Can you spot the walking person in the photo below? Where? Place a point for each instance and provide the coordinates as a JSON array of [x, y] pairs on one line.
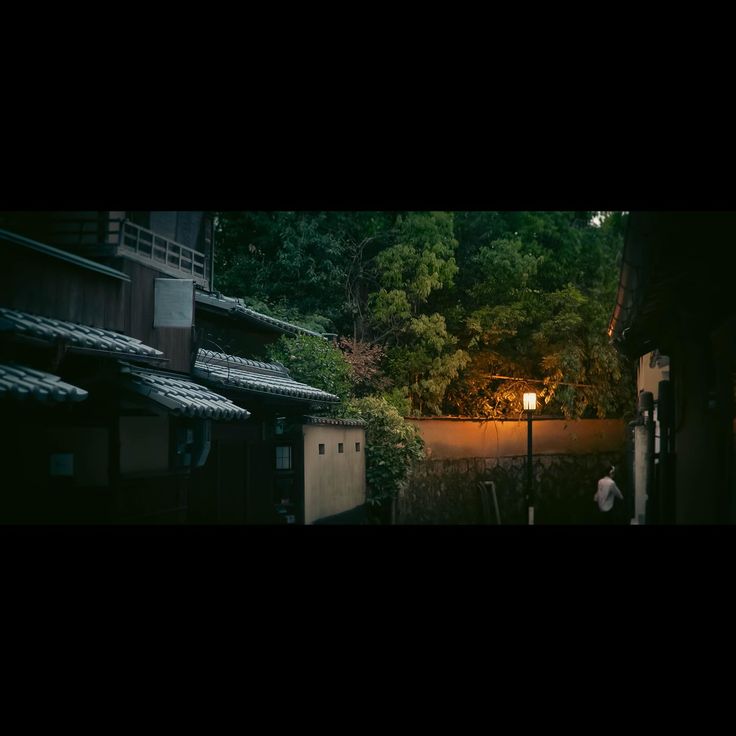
[[605, 496]]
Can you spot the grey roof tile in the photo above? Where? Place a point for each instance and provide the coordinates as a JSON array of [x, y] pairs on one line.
[[235, 306], [252, 375], [211, 356], [334, 421], [20, 382], [79, 335], [182, 397]]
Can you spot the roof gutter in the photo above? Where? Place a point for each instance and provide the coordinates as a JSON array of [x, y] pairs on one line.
[[62, 255], [630, 280]]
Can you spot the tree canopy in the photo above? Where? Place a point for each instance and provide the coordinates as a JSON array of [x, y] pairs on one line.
[[459, 312]]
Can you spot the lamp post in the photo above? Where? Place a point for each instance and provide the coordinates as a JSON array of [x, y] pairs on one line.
[[530, 404]]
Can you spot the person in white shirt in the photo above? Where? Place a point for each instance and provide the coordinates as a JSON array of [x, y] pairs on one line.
[[605, 496]]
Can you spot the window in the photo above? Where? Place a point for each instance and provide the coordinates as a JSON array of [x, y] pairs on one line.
[[283, 457], [321, 449], [340, 447], [357, 447]]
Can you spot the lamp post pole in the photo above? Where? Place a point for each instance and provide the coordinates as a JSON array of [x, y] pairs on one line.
[[530, 404], [529, 483]]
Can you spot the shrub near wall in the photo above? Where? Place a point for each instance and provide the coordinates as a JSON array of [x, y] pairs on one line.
[[446, 492]]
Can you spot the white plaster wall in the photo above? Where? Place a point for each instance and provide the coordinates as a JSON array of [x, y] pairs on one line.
[[333, 482]]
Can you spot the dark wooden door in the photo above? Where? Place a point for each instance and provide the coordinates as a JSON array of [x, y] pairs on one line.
[[232, 481]]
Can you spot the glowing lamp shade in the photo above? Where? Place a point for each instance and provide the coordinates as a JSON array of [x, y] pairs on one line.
[[530, 402]]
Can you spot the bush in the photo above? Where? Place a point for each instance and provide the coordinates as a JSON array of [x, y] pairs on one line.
[[392, 445], [314, 361]]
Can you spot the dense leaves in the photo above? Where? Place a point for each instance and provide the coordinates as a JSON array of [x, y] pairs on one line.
[[458, 312], [365, 360], [314, 361], [392, 445]]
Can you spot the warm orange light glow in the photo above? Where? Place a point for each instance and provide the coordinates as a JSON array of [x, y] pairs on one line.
[[530, 402]]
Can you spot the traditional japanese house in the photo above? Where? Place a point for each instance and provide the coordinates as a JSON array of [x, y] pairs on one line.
[[259, 476], [274, 469], [676, 316], [227, 325], [161, 255], [96, 427], [168, 388]]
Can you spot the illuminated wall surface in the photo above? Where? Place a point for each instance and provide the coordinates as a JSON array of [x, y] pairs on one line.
[[334, 482], [465, 438]]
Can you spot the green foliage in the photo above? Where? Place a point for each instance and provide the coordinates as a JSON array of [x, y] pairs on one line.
[[392, 445], [314, 361], [450, 300], [289, 313], [311, 261], [390, 311], [503, 270], [426, 362], [399, 398], [423, 259]]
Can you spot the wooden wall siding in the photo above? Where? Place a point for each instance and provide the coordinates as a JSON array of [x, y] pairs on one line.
[[98, 235], [144, 444], [175, 342], [237, 482], [28, 493], [188, 226], [232, 471], [60, 229], [36, 283], [233, 336], [154, 500], [74, 229], [164, 223], [232, 490]]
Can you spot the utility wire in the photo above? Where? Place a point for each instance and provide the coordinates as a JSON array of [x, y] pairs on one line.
[[537, 380]]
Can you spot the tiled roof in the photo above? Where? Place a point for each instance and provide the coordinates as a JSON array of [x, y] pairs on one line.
[[212, 356], [20, 382], [254, 376], [63, 255], [235, 306], [83, 336], [180, 396], [334, 421]]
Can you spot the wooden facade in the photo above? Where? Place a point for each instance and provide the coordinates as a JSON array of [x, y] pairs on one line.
[[117, 457], [240, 484], [179, 244], [175, 342], [104, 476], [230, 334], [675, 306], [50, 287], [33, 282]]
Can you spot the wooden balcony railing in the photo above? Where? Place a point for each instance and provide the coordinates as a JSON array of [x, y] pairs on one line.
[[163, 253], [120, 237]]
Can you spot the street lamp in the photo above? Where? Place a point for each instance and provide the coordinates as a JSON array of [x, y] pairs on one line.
[[530, 404]]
